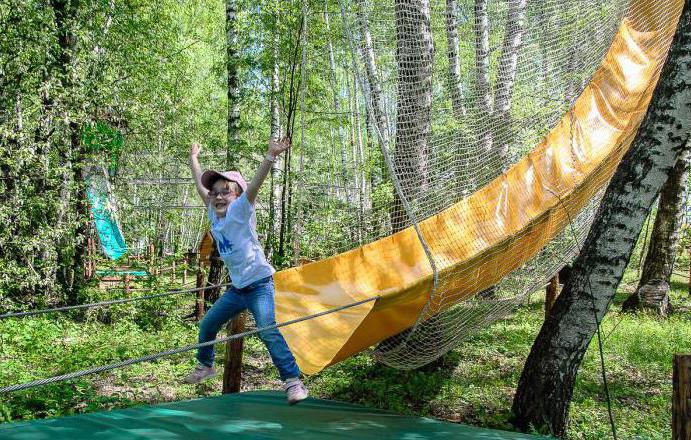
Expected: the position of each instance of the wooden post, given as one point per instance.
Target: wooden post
(232, 373)
(172, 273)
(186, 263)
(87, 261)
(551, 294)
(199, 306)
(681, 397)
(126, 281)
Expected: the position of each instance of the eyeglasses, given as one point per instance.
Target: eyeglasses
(224, 193)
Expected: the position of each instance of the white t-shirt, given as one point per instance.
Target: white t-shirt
(238, 244)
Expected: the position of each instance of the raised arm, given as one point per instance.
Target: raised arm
(275, 149)
(197, 173)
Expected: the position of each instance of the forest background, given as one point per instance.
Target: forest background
(127, 87)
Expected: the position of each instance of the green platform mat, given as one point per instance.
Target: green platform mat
(255, 415)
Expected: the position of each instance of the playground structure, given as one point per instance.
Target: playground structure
(452, 261)
(511, 234)
(104, 214)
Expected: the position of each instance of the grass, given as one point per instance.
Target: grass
(474, 384)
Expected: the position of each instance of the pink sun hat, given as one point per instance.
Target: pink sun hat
(210, 177)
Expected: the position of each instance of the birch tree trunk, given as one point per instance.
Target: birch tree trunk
(482, 86)
(546, 384)
(506, 76)
(653, 289)
(232, 61)
(414, 53)
(375, 89)
(337, 106)
(452, 44)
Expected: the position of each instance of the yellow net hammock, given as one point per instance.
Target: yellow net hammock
(496, 168)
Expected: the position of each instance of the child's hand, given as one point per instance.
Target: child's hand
(194, 151)
(278, 147)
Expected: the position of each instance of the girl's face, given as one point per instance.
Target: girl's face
(221, 196)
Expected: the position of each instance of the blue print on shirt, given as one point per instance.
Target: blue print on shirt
(224, 246)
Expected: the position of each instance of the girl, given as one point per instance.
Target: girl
(230, 203)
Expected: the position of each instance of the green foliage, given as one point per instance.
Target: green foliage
(100, 137)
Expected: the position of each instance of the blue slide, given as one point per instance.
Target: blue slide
(103, 211)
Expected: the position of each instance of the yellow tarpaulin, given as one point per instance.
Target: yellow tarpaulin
(484, 237)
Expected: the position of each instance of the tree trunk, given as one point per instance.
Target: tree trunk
(72, 248)
(337, 105)
(232, 372)
(452, 44)
(232, 62)
(546, 384)
(506, 76)
(275, 189)
(653, 289)
(370, 61)
(414, 53)
(482, 87)
(297, 234)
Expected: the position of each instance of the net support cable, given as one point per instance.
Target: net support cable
(108, 303)
(152, 357)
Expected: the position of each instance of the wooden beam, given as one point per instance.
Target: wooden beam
(681, 397)
(201, 281)
(126, 281)
(232, 373)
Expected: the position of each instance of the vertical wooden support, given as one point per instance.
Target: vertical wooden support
(232, 373)
(551, 294)
(199, 306)
(89, 258)
(681, 397)
(189, 262)
(172, 273)
(126, 281)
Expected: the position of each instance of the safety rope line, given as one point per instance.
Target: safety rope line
(107, 303)
(173, 351)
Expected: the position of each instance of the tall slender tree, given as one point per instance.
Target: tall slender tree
(414, 55)
(452, 49)
(72, 246)
(232, 64)
(494, 111)
(653, 288)
(376, 96)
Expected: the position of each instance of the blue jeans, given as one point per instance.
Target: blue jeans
(258, 297)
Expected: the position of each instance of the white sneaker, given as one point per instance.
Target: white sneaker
(201, 372)
(295, 390)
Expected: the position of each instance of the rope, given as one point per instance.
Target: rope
(173, 351)
(598, 322)
(107, 303)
